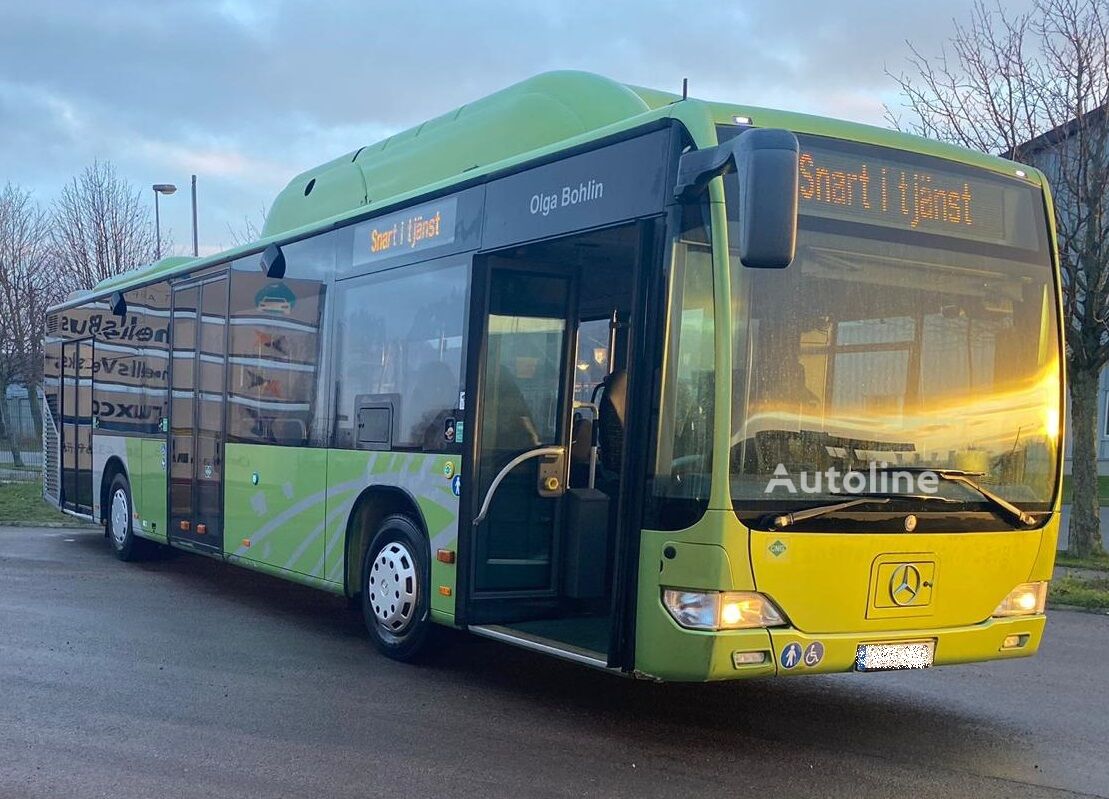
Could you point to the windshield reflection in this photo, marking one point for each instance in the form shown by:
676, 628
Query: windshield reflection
877, 350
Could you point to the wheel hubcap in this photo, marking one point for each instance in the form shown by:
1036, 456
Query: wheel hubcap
392, 587
121, 514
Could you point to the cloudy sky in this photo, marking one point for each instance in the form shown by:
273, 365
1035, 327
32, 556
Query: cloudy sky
247, 93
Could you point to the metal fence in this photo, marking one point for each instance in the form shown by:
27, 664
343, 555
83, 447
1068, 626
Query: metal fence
20, 446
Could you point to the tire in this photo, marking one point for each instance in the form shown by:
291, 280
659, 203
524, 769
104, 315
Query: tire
396, 576
121, 534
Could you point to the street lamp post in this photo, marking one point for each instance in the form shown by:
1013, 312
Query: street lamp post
160, 188
196, 248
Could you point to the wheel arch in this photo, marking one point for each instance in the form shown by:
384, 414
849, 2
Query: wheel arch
113, 466
374, 504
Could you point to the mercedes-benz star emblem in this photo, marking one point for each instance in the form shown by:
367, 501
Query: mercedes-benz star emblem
905, 584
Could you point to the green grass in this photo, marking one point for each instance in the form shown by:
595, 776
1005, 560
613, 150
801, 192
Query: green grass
22, 503
1095, 562
1082, 592
1102, 487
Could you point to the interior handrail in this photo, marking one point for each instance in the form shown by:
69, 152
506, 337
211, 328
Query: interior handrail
538, 452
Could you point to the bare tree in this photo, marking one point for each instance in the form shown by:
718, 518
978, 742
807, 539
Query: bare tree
28, 286
1034, 87
250, 230
102, 227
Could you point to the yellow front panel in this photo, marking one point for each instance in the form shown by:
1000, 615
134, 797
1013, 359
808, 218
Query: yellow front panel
855, 582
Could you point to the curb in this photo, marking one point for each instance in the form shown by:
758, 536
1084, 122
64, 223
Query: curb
52, 525
1079, 609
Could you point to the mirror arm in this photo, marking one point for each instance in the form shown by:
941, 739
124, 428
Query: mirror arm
697, 167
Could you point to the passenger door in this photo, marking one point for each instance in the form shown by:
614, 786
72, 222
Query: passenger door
523, 432
77, 421
197, 379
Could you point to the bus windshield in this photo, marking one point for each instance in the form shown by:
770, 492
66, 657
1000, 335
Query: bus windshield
917, 327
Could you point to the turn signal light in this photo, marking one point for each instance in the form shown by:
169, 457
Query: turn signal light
445, 555
721, 610
1027, 599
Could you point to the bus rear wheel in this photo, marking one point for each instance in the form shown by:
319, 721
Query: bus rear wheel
125, 543
395, 576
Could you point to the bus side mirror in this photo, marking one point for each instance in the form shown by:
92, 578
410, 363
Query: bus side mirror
272, 262
117, 304
766, 165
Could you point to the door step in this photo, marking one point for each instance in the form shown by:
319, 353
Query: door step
547, 646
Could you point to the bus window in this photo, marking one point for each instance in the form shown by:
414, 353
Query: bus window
684, 448
276, 393
400, 342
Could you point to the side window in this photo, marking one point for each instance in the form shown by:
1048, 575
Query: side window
400, 352
683, 454
277, 391
117, 367
154, 340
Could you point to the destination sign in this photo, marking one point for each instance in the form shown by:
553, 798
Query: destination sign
877, 191
414, 229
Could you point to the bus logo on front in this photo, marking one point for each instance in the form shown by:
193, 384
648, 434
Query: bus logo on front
905, 585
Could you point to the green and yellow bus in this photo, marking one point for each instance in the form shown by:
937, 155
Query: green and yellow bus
678, 389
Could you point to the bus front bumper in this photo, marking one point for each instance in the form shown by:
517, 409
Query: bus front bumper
788, 652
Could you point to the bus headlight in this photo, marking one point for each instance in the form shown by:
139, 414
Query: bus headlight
1026, 599
721, 610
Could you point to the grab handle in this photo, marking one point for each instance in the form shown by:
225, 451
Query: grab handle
539, 452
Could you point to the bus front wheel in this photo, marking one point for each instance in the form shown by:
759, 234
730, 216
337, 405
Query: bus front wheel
125, 543
395, 577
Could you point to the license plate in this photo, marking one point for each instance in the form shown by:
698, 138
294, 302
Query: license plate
887, 657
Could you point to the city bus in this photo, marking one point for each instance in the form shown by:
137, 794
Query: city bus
675, 389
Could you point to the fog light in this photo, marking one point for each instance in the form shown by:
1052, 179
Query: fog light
1026, 599
1014, 641
749, 658
717, 610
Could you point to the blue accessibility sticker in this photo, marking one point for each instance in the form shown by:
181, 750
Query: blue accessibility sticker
791, 655
456, 485
814, 653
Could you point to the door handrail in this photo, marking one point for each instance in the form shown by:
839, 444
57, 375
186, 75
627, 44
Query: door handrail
508, 467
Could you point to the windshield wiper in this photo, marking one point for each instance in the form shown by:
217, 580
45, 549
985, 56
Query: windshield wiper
777, 522
781, 520
963, 477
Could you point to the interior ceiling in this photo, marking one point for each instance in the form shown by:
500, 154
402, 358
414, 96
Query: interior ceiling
605, 259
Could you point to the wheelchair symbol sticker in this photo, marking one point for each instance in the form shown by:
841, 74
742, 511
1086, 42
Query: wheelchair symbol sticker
814, 653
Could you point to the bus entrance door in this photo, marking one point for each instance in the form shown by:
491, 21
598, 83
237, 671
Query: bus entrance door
550, 378
522, 438
77, 425
197, 378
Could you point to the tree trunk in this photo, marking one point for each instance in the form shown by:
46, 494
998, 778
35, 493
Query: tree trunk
36, 409
6, 428
1085, 519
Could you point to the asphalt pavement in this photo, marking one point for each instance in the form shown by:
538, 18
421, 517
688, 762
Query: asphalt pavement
184, 677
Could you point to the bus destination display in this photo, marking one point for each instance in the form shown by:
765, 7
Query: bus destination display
404, 232
874, 191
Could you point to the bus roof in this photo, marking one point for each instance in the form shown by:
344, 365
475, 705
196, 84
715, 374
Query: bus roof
509, 127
